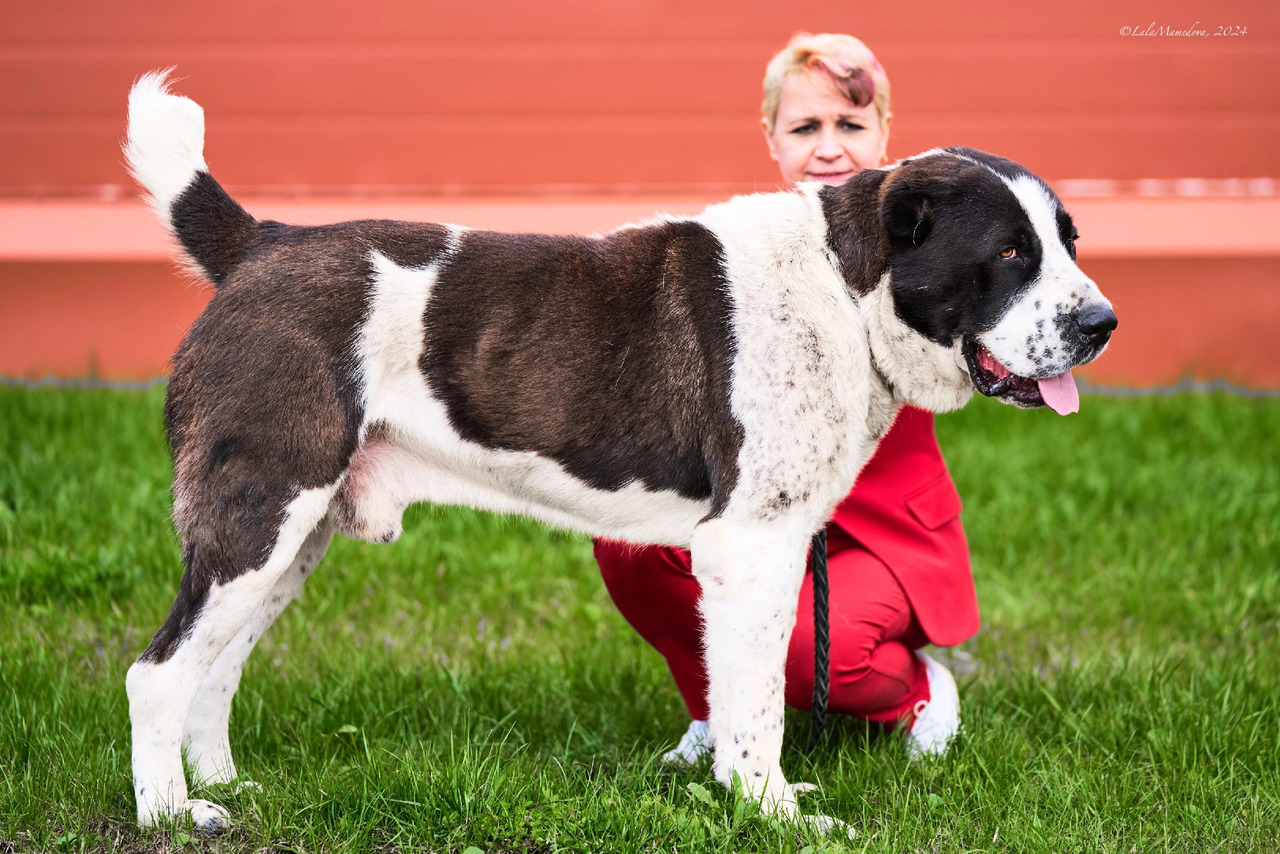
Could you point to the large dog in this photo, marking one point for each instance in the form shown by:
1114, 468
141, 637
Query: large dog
714, 382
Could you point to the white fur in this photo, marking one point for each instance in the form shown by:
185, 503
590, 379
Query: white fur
205, 735
919, 371
161, 695
750, 573
801, 357
165, 145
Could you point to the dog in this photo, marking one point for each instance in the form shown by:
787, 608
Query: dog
714, 381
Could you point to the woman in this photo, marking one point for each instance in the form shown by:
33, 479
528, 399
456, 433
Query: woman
898, 561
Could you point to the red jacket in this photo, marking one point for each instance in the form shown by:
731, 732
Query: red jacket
905, 510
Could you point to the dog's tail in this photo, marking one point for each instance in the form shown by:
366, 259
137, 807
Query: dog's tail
165, 153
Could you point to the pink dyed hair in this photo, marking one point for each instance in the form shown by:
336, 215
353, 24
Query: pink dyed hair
840, 61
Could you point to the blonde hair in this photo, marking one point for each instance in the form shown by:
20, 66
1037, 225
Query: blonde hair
842, 62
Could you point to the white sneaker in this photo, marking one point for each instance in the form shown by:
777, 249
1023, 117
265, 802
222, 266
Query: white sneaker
694, 745
938, 718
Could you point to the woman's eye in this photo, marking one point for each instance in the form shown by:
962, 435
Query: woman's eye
850, 126
1009, 253
803, 130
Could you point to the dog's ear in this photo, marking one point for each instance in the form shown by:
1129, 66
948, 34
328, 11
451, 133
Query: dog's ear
907, 216
909, 200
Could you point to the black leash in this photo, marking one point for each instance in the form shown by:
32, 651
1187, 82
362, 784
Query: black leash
821, 637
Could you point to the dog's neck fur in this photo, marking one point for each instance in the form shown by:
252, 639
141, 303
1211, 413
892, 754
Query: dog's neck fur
906, 362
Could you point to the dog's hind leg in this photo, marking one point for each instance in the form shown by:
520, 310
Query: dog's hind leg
750, 574
205, 737
211, 610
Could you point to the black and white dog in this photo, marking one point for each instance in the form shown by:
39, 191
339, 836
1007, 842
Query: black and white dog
714, 382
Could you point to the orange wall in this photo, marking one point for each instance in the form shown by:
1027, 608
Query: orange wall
117, 320
620, 94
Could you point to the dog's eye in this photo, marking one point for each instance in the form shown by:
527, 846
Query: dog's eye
1009, 253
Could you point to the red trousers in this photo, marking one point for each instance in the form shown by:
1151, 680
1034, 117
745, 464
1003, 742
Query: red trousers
874, 674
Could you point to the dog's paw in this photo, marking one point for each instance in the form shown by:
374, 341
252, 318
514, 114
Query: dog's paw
816, 823
208, 818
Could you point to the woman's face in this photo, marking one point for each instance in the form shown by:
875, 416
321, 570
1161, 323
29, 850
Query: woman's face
819, 135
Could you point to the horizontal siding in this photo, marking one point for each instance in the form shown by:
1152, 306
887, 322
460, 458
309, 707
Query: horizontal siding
616, 96
253, 21
435, 79
617, 153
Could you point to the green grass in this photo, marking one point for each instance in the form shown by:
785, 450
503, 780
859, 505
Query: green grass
474, 686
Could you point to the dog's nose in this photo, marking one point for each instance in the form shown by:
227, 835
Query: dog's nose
1096, 323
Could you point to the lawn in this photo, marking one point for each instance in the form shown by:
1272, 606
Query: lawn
473, 685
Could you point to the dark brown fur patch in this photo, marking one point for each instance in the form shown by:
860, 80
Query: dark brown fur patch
609, 355
854, 231
211, 226
264, 397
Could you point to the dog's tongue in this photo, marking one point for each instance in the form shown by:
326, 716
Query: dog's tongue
1060, 393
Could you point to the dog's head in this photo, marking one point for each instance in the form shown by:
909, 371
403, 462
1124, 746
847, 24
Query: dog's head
981, 256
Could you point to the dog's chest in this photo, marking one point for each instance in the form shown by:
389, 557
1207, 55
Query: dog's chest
802, 378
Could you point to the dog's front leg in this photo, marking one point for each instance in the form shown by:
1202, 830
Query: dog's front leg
750, 574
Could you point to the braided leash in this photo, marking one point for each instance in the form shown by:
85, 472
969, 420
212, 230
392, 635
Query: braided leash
821, 637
